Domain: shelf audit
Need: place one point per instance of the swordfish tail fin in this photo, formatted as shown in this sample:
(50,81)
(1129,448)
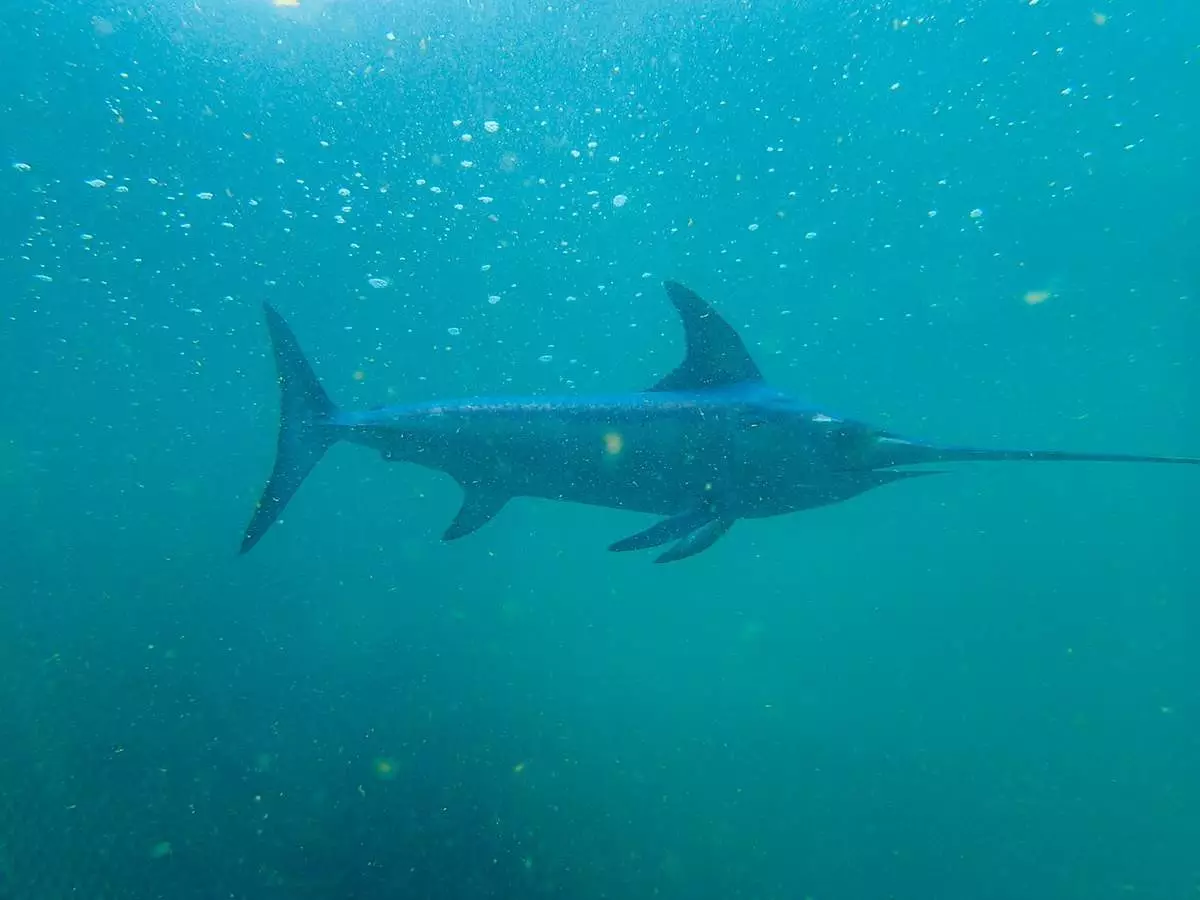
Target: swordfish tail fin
(306,427)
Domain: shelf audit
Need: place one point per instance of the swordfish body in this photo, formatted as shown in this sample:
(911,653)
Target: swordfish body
(709,444)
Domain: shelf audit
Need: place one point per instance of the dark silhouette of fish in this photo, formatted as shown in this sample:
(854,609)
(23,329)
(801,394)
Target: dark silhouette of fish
(709,444)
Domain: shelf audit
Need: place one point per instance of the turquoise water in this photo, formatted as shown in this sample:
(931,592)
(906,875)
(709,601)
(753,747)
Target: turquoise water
(972,222)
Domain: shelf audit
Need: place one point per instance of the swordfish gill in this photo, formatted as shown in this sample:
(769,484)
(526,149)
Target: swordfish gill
(707,445)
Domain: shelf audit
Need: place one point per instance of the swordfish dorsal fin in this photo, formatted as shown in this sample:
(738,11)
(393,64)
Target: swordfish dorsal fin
(715,356)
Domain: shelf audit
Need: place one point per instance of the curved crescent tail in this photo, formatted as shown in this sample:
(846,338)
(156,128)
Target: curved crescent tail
(306,428)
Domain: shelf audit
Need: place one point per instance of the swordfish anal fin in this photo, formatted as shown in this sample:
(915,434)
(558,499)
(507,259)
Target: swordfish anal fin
(716,356)
(480,504)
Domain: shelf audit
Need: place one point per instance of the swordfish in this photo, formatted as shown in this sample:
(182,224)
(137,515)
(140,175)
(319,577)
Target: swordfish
(710,443)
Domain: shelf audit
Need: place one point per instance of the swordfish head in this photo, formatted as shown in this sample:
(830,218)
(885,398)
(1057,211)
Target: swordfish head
(712,442)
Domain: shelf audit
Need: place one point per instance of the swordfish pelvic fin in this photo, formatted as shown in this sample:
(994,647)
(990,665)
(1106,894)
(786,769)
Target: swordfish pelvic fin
(306,428)
(698,540)
(716,356)
(666,530)
(693,531)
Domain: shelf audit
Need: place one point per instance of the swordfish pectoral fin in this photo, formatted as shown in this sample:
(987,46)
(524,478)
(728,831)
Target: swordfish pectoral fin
(480,504)
(697,541)
(659,533)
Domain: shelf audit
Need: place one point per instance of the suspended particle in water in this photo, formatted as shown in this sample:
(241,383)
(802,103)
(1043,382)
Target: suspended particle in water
(491,126)
(204,195)
(385,769)
(379,283)
(454,331)
(493,299)
(1035,298)
(96,182)
(619,201)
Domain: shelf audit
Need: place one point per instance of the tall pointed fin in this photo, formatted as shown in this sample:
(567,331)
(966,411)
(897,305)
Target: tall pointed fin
(480,504)
(715,356)
(305,428)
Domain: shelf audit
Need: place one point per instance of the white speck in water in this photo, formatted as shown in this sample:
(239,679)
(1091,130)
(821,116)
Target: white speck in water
(619,200)
(546,357)
(204,195)
(454,331)
(379,283)
(491,126)
(493,299)
(97,182)
(22,167)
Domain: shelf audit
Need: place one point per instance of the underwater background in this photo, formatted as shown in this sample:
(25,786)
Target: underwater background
(974,222)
